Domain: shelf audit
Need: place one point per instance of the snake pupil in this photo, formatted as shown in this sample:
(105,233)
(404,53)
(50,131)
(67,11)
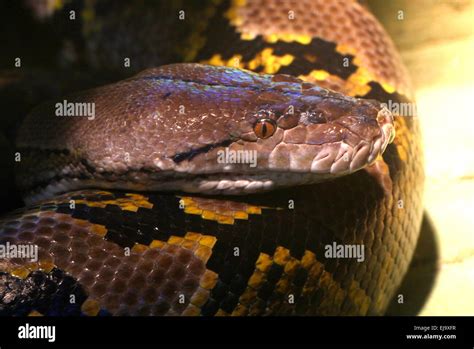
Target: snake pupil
(265,128)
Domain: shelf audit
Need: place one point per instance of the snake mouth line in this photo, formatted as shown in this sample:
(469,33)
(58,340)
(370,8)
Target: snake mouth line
(329,163)
(222,184)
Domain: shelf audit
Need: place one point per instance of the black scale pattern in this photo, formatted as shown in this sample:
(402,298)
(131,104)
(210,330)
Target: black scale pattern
(46,293)
(258,234)
(328,58)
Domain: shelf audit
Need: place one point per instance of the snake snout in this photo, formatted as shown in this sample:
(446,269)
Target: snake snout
(385,120)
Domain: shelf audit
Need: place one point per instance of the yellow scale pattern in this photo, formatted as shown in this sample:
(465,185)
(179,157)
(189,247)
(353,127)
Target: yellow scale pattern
(356,84)
(132,202)
(201,246)
(318,278)
(215,210)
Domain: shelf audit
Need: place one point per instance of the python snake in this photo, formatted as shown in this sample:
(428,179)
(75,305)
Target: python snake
(134,214)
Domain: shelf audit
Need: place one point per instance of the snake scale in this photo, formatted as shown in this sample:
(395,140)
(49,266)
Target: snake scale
(134,214)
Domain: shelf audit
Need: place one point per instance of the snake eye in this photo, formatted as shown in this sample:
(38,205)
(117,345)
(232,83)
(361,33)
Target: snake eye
(264,128)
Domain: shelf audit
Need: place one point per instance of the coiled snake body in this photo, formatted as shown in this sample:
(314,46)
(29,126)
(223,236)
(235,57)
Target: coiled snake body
(109,197)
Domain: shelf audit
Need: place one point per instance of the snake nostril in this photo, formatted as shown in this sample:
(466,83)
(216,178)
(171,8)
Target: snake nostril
(316,116)
(288,120)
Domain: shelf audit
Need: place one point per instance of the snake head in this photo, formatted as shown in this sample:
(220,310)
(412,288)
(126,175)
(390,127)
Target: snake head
(200,128)
(283,132)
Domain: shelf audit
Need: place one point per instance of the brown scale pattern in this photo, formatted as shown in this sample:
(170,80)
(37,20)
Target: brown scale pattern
(148,281)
